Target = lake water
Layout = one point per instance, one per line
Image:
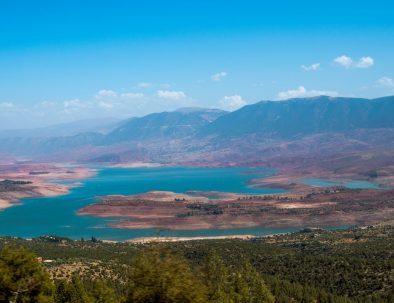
(57, 215)
(352, 184)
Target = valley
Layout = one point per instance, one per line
(301, 266)
(206, 172)
(196, 152)
(136, 201)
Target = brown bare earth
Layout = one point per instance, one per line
(302, 205)
(18, 181)
(373, 166)
(314, 207)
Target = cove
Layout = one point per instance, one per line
(57, 215)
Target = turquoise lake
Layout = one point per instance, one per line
(352, 184)
(57, 215)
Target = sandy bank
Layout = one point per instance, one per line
(5, 203)
(137, 165)
(178, 239)
(36, 180)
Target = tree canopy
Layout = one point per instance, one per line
(22, 278)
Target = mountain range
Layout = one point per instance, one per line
(297, 117)
(264, 129)
(181, 123)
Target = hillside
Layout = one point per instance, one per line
(353, 265)
(300, 117)
(167, 125)
(104, 125)
(194, 136)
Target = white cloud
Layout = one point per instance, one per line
(173, 95)
(7, 105)
(302, 92)
(104, 103)
(73, 104)
(348, 62)
(312, 67)
(106, 93)
(132, 95)
(47, 104)
(218, 76)
(386, 82)
(364, 62)
(144, 85)
(232, 103)
(344, 61)
(108, 99)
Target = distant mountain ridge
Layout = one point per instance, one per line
(294, 117)
(264, 128)
(103, 125)
(166, 125)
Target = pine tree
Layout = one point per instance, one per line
(248, 286)
(217, 279)
(101, 293)
(22, 278)
(72, 292)
(158, 276)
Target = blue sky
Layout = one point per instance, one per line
(62, 61)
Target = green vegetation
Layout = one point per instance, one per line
(10, 185)
(242, 285)
(158, 276)
(75, 291)
(355, 265)
(199, 209)
(22, 278)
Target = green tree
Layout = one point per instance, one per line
(101, 293)
(249, 286)
(63, 292)
(239, 286)
(72, 292)
(22, 278)
(158, 276)
(217, 279)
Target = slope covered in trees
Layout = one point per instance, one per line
(354, 265)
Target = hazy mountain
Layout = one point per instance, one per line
(158, 126)
(257, 131)
(166, 125)
(103, 125)
(47, 145)
(297, 117)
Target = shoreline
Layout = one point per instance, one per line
(217, 210)
(196, 209)
(145, 240)
(166, 239)
(136, 165)
(37, 180)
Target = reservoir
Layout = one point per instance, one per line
(58, 215)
